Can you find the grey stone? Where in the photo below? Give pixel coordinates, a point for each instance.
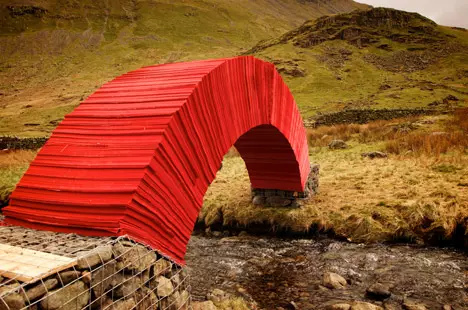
(68, 276)
(41, 289)
(378, 291)
(165, 287)
(125, 304)
(205, 305)
(161, 267)
(277, 201)
(135, 257)
(337, 144)
(72, 297)
(258, 200)
(125, 285)
(102, 278)
(333, 280)
(360, 305)
(182, 302)
(374, 154)
(10, 299)
(97, 256)
(146, 299)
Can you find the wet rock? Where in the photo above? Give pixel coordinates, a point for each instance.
(337, 144)
(10, 300)
(68, 276)
(378, 291)
(72, 297)
(217, 295)
(205, 305)
(134, 257)
(360, 305)
(412, 305)
(333, 280)
(375, 154)
(97, 256)
(123, 304)
(165, 287)
(41, 289)
(339, 306)
(258, 200)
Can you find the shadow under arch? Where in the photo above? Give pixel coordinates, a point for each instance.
(137, 156)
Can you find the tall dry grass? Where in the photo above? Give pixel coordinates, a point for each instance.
(453, 138)
(401, 136)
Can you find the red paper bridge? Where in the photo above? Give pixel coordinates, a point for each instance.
(138, 155)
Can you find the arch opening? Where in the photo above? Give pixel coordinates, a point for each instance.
(137, 156)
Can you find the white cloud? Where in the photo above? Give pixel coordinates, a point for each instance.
(447, 12)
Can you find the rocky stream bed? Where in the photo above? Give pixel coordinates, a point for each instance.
(301, 273)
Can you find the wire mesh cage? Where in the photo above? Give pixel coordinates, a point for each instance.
(45, 270)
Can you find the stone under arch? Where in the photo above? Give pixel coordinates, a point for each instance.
(137, 156)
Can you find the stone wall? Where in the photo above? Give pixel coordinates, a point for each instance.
(281, 198)
(116, 273)
(362, 116)
(15, 143)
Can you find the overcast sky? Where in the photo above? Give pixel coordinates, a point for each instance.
(444, 12)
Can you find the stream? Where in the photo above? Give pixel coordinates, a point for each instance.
(287, 273)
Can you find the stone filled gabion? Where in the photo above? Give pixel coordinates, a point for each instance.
(282, 198)
(116, 274)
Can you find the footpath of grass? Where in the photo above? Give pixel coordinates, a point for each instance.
(419, 193)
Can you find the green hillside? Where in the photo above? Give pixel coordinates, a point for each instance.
(53, 53)
(377, 58)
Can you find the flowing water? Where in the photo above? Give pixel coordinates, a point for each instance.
(275, 272)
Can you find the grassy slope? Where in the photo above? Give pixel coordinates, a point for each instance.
(333, 81)
(50, 61)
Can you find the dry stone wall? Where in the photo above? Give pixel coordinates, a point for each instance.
(281, 198)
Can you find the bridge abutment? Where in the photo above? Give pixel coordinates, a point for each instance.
(283, 198)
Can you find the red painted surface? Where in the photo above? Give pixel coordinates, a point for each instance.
(137, 156)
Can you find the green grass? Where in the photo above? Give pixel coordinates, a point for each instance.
(54, 61)
(13, 164)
